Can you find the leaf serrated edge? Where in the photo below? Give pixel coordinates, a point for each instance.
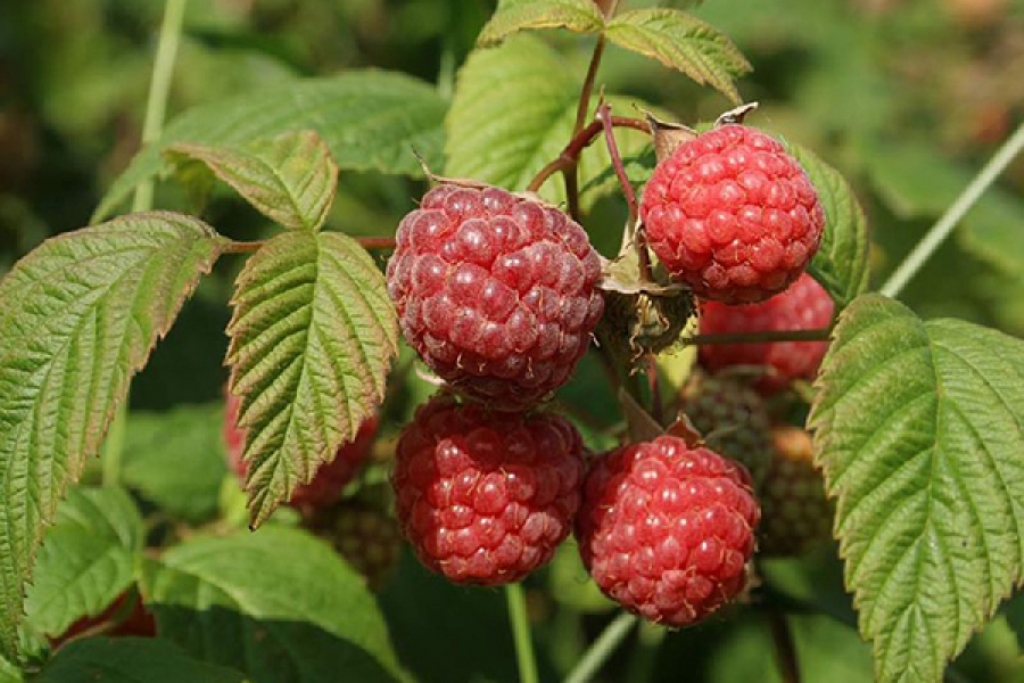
(705, 72)
(259, 508)
(8, 631)
(587, 22)
(216, 158)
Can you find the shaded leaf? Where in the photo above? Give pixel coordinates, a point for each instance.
(490, 141)
(919, 428)
(131, 660)
(371, 120)
(682, 42)
(78, 317)
(176, 459)
(277, 604)
(290, 178)
(87, 559)
(841, 264)
(512, 16)
(312, 337)
(918, 182)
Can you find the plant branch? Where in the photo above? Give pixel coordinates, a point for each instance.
(112, 451)
(521, 633)
(785, 648)
(944, 226)
(820, 334)
(159, 90)
(602, 648)
(570, 156)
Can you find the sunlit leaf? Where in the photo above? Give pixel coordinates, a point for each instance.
(312, 337)
(919, 427)
(78, 317)
(512, 16)
(290, 178)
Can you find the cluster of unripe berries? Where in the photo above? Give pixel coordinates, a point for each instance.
(500, 296)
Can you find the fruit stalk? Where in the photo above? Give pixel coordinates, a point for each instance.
(521, 633)
(598, 653)
(949, 220)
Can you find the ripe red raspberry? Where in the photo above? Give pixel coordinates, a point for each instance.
(496, 292)
(733, 420)
(804, 306)
(666, 530)
(329, 481)
(732, 215)
(797, 514)
(485, 498)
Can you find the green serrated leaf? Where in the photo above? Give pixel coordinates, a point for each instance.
(312, 337)
(919, 427)
(841, 264)
(87, 559)
(176, 459)
(290, 178)
(512, 16)
(277, 604)
(131, 660)
(78, 317)
(490, 141)
(683, 42)
(371, 120)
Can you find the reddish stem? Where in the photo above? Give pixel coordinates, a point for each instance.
(376, 242)
(570, 156)
(768, 336)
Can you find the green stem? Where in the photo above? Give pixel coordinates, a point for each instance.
(645, 655)
(944, 226)
(156, 109)
(521, 633)
(602, 649)
(159, 89)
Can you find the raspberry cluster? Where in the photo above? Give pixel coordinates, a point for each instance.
(496, 292)
(733, 215)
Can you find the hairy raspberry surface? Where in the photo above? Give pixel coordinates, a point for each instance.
(483, 497)
(732, 215)
(329, 481)
(732, 418)
(495, 292)
(797, 514)
(666, 530)
(804, 306)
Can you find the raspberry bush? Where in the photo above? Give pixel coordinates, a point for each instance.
(522, 359)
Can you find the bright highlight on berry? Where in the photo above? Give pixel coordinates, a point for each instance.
(666, 530)
(732, 215)
(496, 292)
